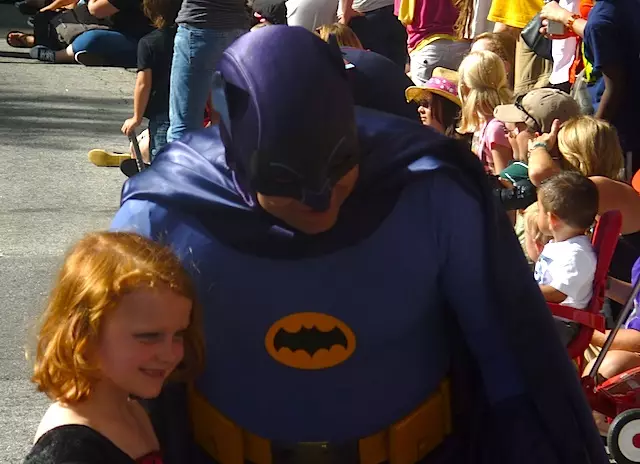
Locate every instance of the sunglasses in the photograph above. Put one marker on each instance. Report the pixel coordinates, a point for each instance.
(518, 104)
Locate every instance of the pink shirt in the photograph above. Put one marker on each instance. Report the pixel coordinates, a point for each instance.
(430, 17)
(488, 137)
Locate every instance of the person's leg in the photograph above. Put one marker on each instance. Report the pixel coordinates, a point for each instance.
(615, 362)
(445, 53)
(107, 48)
(531, 71)
(158, 127)
(195, 55)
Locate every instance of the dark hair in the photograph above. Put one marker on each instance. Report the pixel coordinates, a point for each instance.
(162, 13)
(572, 197)
(446, 113)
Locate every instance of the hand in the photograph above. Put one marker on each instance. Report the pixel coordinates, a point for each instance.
(544, 30)
(348, 15)
(554, 12)
(549, 139)
(129, 126)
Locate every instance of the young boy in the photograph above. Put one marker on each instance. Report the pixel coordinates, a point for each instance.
(567, 207)
(151, 95)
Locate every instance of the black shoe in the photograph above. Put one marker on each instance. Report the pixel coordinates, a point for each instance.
(129, 167)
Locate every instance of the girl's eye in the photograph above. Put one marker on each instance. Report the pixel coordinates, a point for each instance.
(179, 336)
(150, 337)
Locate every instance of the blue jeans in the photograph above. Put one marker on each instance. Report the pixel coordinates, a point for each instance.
(158, 127)
(118, 49)
(196, 53)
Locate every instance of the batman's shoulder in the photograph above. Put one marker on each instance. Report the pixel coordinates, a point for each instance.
(399, 151)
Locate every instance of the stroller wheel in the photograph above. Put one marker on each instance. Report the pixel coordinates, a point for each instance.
(624, 437)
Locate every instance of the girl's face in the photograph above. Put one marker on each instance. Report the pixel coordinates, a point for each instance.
(141, 341)
(427, 113)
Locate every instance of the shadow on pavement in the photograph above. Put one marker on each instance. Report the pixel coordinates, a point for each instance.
(5, 54)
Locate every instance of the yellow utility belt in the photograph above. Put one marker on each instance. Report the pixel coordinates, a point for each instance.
(406, 442)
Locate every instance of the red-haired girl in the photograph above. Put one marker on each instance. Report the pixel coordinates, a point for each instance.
(120, 320)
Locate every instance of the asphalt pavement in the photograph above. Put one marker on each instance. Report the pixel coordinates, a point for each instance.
(50, 195)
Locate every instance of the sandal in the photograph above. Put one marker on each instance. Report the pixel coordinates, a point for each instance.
(21, 41)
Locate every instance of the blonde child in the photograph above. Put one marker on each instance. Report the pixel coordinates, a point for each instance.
(483, 86)
(119, 322)
(343, 34)
(534, 239)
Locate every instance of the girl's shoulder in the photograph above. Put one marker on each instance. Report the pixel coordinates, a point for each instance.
(75, 443)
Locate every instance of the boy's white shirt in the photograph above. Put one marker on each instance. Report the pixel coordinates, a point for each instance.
(569, 267)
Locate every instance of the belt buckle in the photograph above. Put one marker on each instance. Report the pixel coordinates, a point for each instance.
(315, 453)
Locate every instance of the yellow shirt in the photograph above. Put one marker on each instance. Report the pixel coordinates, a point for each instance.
(514, 13)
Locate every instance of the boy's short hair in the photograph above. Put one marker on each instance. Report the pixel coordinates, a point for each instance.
(572, 197)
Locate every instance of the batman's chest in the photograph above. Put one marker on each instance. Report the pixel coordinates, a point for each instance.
(325, 337)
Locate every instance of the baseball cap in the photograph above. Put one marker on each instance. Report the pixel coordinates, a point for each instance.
(538, 108)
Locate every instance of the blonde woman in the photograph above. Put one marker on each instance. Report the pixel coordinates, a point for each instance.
(483, 86)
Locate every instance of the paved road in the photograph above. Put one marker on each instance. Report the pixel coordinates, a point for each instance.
(50, 116)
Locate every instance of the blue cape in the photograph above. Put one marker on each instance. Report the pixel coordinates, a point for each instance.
(550, 423)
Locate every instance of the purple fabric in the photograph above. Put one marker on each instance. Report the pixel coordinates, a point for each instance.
(634, 320)
(267, 99)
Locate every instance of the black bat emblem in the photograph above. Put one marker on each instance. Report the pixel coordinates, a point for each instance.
(309, 340)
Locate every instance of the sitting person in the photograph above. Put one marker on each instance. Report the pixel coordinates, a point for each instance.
(116, 46)
(567, 207)
(591, 147)
(438, 104)
(120, 321)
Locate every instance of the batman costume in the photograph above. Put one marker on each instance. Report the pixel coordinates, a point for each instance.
(411, 331)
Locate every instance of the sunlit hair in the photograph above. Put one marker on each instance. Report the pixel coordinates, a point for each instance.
(591, 146)
(482, 86)
(162, 13)
(97, 272)
(502, 44)
(531, 225)
(344, 35)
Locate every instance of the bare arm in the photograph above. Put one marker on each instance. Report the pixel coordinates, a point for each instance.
(347, 12)
(614, 91)
(57, 4)
(552, 295)
(502, 156)
(101, 8)
(626, 340)
(618, 290)
(614, 195)
(541, 166)
(140, 101)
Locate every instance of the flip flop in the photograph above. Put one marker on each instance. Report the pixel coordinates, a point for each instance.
(21, 40)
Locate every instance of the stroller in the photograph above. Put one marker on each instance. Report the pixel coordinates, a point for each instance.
(618, 398)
